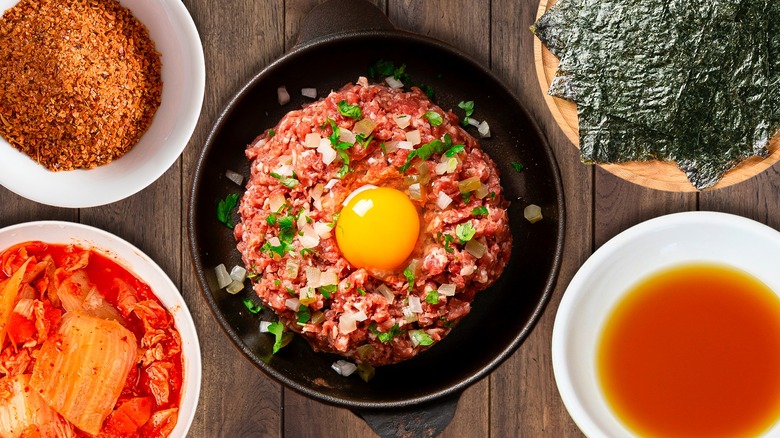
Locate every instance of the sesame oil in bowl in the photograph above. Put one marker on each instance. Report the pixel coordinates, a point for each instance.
(693, 350)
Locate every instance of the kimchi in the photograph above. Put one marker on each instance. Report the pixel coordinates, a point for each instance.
(86, 348)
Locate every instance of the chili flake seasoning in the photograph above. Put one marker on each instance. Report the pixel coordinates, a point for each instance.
(79, 81)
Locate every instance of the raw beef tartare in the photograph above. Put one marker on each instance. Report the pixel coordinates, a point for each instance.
(371, 219)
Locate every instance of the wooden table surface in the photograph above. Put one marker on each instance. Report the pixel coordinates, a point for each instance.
(520, 398)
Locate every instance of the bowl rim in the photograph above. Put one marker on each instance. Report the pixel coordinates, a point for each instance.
(131, 258)
(82, 188)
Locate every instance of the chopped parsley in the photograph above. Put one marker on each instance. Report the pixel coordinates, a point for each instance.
(419, 337)
(276, 329)
(335, 137)
(466, 197)
(303, 315)
(517, 166)
(287, 181)
(224, 207)
(277, 282)
(480, 211)
(432, 297)
(271, 133)
(423, 152)
(328, 290)
(434, 118)
(386, 336)
(347, 110)
(251, 306)
(465, 232)
(345, 168)
(409, 274)
(468, 107)
(362, 140)
(448, 239)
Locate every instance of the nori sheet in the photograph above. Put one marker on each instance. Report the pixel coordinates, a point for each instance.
(691, 81)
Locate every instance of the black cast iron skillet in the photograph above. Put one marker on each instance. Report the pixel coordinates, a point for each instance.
(339, 40)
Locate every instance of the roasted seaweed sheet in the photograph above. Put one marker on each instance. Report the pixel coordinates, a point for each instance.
(690, 81)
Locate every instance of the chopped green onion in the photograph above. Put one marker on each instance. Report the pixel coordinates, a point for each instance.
(434, 118)
(348, 110)
(455, 150)
(432, 297)
(361, 291)
(468, 107)
(387, 336)
(251, 306)
(409, 274)
(271, 219)
(328, 290)
(480, 211)
(224, 207)
(303, 315)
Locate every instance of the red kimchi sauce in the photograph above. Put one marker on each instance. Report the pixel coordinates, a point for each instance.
(148, 403)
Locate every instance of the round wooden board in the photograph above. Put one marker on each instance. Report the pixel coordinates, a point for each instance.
(657, 175)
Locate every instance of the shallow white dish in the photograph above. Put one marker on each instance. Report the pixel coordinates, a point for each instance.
(183, 74)
(145, 269)
(618, 265)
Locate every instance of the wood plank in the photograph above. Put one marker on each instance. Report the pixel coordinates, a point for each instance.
(15, 209)
(524, 398)
(239, 38)
(756, 198)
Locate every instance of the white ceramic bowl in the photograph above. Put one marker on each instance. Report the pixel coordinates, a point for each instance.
(618, 265)
(183, 73)
(145, 269)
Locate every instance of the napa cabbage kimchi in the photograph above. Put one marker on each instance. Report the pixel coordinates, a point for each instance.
(86, 349)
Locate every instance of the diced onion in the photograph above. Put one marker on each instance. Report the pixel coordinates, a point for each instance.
(303, 218)
(264, 326)
(347, 136)
(482, 191)
(276, 202)
(442, 200)
(330, 184)
(484, 129)
(313, 276)
(344, 368)
(415, 192)
(292, 304)
(282, 95)
(326, 150)
(391, 146)
(393, 82)
(235, 287)
(284, 170)
(476, 248)
(360, 315)
(414, 304)
(473, 122)
(469, 184)
(309, 239)
(312, 140)
(409, 316)
(347, 323)
(291, 268)
(306, 295)
(322, 229)
(402, 120)
(223, 277)
(309, 92)
(447, 289)
(385, 291)
(364, 127)
(328, 278)
(238, 273)
(234, 176)
(413, 137)
(316, 196)
(274, 241)
(533, 213)
(405, 145)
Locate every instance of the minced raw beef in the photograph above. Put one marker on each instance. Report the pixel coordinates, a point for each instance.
(296, 190)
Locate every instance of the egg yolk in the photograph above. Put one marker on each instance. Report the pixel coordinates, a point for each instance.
(378, 228)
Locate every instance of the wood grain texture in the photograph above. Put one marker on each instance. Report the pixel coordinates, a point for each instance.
(520, 398)
(653, 174)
